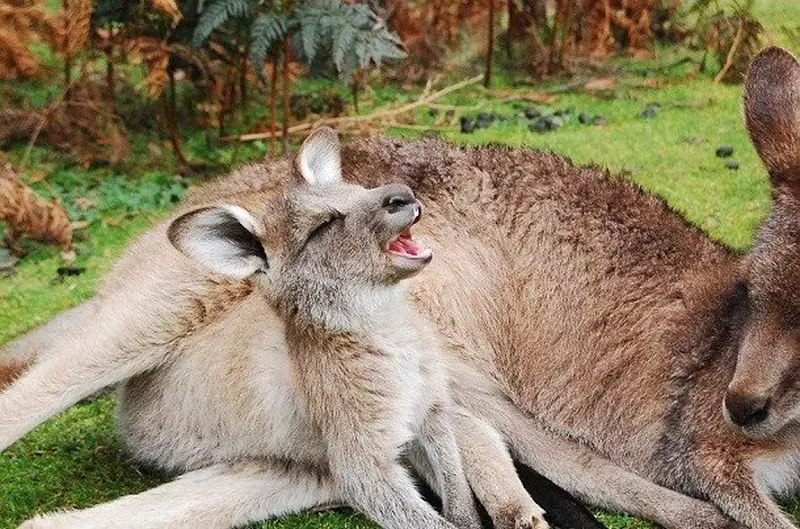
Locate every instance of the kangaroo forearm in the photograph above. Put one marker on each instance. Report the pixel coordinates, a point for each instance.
(386, 495)
(439, 445)
(490, 470)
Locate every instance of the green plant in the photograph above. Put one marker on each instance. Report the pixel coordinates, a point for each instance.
(729, 32)
(357, 37)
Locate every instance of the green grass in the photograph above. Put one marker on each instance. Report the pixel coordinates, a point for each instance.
(77, 459)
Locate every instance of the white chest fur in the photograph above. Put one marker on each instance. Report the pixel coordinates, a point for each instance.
(779, 474)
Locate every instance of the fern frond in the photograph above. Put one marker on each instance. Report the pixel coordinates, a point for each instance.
(16, 60)
(266, 31)
(30, 20)
(342, 43)
(312, 21)
(78, 22)
(217, 15)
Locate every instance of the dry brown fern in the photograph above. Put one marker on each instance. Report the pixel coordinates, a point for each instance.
(26, 212)
(86, 126)
(611, 25)
(21, 23)
(29, 20)
(154, 54)
(169, 8)
(16, 61)
(78, 23)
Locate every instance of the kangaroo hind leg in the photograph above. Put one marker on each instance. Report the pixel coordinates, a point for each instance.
(216, 497)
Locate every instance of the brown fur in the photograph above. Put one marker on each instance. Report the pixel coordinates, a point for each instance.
(274, 328)
(596, 329)
(10, 371)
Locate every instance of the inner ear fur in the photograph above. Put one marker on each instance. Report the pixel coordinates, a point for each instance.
(319, 160)
(221, 238)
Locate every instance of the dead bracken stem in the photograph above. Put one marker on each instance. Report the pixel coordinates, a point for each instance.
(731, 53)
(425, 99)
(49, 112)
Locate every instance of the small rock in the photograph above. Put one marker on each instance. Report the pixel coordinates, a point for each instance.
(649, 112)
(532, 113)
(600, 121)
(733, 165)
(70, 271)
(724, 151)
(483, 120)
(543, 124)
(467, 125)
(583, 119)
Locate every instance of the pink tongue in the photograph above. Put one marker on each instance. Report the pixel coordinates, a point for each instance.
(403, 245)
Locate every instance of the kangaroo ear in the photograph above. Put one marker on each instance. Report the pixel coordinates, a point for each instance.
(222, 239)
(319, 159)
(772, 112)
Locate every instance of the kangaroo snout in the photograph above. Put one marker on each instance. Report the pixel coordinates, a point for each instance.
(398, 197)
(745, 410)
(397, 200)
(403, 208)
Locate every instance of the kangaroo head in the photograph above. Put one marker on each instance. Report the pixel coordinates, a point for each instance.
(764, 394)
(317, 245)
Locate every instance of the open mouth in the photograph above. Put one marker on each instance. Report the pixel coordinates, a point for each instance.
(405, 246)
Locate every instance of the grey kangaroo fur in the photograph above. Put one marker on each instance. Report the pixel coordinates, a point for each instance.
(325, 377)
(619, 351)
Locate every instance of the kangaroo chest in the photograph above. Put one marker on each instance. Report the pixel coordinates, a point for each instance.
(386, 381)
(212, 404)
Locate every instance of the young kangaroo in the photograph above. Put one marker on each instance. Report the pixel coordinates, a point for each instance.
(323, 380)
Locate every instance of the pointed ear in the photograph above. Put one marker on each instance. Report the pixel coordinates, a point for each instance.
(222, 239)
(772, 112)
(319, 159)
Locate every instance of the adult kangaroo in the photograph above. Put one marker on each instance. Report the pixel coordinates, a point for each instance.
(597, 330)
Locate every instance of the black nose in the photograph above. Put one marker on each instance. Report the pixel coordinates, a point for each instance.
(397, 201)
(747, 410)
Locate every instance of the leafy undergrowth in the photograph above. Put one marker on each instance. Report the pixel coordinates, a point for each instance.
(77, 459)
